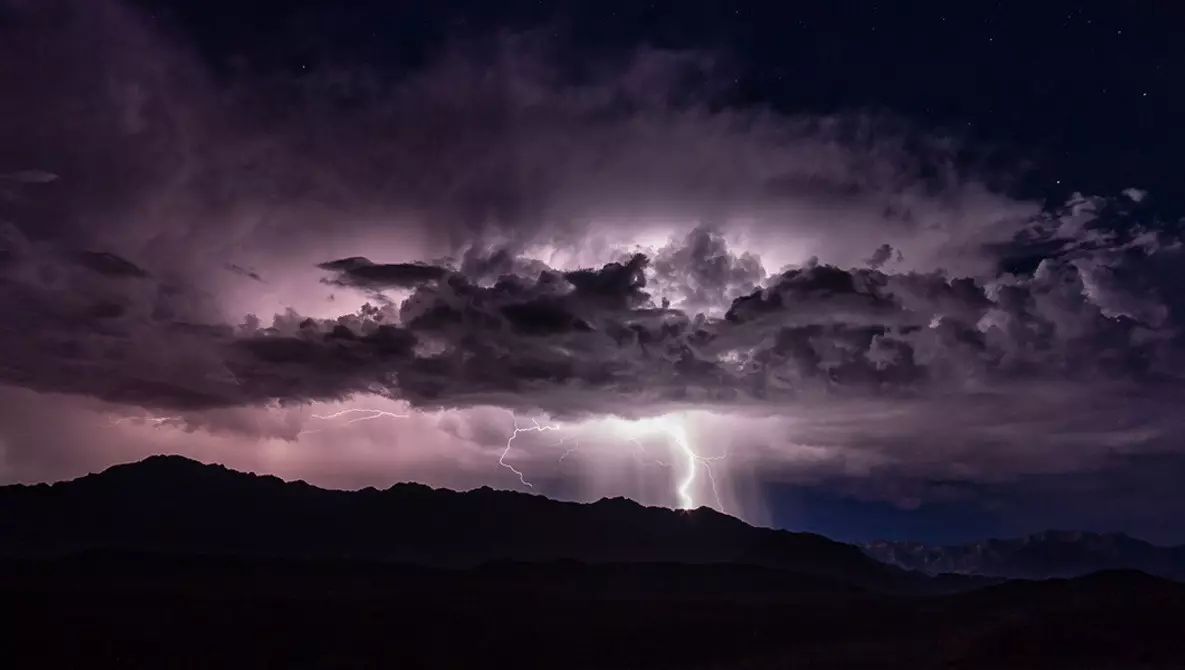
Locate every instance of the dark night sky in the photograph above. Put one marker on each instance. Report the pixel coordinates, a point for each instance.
(1010, 360)
(1083, 92)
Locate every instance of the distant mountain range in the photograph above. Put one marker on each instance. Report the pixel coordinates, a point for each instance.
(1044, 555)
(173, 504)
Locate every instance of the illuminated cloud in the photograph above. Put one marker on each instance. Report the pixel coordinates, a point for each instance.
(591, 341)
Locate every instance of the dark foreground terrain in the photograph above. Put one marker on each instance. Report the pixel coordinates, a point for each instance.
(171, 563)
(119, 610)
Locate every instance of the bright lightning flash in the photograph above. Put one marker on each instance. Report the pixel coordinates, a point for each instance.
(154, 420)
(671, 426)
(674, 427)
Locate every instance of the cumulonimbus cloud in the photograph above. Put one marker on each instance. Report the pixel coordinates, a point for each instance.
(610, 243)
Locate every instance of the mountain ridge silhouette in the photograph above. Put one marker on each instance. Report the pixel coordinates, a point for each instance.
(175, 504)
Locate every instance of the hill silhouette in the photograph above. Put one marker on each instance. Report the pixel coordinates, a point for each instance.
(174, 504)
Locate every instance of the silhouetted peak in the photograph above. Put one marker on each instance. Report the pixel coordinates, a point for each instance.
(407, 488)
(162, 465)
(177, 473)
(166, 461)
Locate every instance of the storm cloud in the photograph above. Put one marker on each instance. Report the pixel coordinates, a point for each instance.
(597, 340)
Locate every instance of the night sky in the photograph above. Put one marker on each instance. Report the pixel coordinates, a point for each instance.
(901, 270)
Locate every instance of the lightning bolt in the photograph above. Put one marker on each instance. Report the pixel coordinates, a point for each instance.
(643, 457)
(568, 451)
(675, 429)
(367, 415)
(154, 420)
(535, 427)
(678, 434)
(371, 414)
(707, 461)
